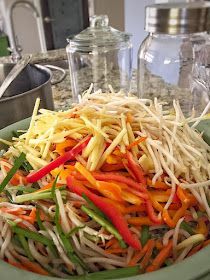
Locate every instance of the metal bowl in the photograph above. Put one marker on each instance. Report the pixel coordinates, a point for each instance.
(19, 98)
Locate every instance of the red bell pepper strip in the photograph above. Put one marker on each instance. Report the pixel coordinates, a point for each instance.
(151, 213)
(108, 209)
(70, 155)
(135, 168)
(114, 176)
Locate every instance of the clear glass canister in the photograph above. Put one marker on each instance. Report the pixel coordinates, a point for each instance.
(172, 59)
(100, 55)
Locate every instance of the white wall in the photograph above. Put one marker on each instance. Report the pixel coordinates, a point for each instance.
(114, 9)
(134, 23)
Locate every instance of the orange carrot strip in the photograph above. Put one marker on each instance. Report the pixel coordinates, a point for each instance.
(22, 225)
(49, 186)
(18, 178)
(180, 213)
(145, 261)
(139, 221)
(157, 185)
(69, 167)
(116, 251)
(18, 265)
(43, 216)
(136, 142)
(201, 227)
(15, 211)
(139, 255)
(31, 218)
(26, 218)
(206, 243)
(111, 242)
(61, 148)
(77, 203)
(32, 215)
(135, 208)
(161, 257)
(195, 250)
(159, 245)
(34, 267)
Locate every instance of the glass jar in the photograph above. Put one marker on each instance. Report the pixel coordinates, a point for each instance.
(99, 55)
(172, 59)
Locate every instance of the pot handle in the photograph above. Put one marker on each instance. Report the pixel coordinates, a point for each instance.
(56, 68)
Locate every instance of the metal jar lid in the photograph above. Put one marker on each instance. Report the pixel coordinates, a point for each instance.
(177, 18)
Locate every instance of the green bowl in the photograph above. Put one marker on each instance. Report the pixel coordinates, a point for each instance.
(196, 267)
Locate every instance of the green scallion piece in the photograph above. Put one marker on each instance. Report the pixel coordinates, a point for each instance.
(32, 235)
(25, 246)
(168, 262)
(66, 242)
(104, 223)
(35, 196)
(17, 163)
(16, 133)
(9, 196)
(39, 221)
(16, 241)
(23, 189)
(26, 166)
(145, 235)
(184, 225)
(94, 207)
(53, 188)
(74, 230)
(92, 238)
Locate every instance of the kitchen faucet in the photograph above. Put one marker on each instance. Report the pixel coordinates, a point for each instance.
(15, 48)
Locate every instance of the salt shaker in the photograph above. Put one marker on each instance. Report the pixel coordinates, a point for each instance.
(172, 59)
(100, 55)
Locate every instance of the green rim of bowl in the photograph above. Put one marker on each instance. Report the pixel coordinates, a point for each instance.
(196, 267)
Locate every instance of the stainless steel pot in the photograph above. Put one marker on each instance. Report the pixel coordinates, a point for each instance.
(19, 99)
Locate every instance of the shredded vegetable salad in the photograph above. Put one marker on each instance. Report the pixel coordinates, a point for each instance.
(115, 186)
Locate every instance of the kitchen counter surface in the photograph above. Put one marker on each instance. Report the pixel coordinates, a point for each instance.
(61, 92)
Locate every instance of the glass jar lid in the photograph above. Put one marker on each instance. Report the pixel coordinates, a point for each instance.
(99, 34)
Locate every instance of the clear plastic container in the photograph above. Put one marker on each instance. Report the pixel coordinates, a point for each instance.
(172, 59)
(100, 55)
